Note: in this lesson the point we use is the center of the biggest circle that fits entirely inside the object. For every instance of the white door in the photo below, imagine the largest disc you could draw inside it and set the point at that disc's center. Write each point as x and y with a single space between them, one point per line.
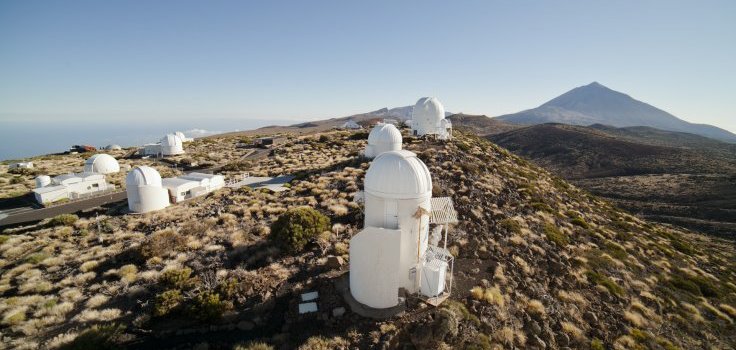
391 214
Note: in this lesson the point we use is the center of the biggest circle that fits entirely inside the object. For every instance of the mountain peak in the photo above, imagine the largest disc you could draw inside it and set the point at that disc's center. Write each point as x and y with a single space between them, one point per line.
595 103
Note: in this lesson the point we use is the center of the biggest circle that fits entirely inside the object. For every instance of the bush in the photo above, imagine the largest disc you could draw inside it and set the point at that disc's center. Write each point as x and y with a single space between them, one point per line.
510 225
177 278
208 306
162 243
578 221
555 235
97 337
604 281
63 220
293 229
166 302
253 346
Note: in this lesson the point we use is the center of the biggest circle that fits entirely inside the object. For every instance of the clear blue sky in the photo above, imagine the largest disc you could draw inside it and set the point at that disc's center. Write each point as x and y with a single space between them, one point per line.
316 59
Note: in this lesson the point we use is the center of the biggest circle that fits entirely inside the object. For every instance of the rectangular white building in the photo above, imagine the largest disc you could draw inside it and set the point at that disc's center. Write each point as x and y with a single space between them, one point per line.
192 185
72 186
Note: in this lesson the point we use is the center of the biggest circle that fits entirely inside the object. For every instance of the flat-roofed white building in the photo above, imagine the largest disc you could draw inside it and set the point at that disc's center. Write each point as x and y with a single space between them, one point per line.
70 186
21 165
192 185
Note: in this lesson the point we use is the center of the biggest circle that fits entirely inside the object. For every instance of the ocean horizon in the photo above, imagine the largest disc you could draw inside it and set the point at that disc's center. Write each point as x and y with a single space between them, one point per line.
21 139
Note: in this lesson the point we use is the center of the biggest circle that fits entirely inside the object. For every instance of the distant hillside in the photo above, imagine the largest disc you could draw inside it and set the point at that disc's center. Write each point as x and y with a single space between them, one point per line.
597 104
480 124
666 176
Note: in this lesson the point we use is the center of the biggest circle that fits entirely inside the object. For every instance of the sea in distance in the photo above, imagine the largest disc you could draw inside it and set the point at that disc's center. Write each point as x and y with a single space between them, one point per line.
20 138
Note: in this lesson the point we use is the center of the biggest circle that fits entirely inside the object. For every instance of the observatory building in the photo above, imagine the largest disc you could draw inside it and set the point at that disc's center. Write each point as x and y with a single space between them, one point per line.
428 118
192 185
69 186
170 145
351 124
145 192
102 164
183 138
383 138
394 250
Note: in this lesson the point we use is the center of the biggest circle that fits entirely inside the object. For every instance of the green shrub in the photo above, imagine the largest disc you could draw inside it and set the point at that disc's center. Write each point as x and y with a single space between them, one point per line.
207 306
510 225
63 220
578 221
253 346
555 235
683 247
162 243
597 278
540 206
616 251
177 278
597 344
36 258
4 238
97 337
294 228
166 302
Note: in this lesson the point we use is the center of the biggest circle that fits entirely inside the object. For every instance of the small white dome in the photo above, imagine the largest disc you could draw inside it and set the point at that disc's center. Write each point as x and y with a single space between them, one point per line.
143 176
113 147
43 181
102 164
398 175
384 134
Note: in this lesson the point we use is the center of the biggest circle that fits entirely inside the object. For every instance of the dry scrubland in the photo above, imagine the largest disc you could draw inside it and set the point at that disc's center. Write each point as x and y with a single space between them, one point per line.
539 264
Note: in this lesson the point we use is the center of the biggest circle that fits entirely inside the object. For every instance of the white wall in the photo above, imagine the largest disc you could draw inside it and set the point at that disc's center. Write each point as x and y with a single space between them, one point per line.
147 198
377 214
374 256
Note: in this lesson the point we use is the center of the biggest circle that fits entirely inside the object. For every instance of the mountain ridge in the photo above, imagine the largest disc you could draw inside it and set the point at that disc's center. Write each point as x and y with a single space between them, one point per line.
597 104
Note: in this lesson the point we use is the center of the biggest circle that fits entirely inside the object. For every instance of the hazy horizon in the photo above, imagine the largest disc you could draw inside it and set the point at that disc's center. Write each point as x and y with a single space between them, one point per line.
183 60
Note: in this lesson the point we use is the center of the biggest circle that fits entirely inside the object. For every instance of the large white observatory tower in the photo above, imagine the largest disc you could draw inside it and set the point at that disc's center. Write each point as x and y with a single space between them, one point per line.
393 250
428 118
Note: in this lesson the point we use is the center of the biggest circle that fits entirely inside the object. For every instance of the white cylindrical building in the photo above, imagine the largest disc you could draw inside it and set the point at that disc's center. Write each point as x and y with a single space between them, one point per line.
428 118
145 191
43 181
383 138
171 145
398 191
102 164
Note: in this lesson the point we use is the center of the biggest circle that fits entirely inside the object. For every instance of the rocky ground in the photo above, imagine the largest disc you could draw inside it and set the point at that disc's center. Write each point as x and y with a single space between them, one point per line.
540 264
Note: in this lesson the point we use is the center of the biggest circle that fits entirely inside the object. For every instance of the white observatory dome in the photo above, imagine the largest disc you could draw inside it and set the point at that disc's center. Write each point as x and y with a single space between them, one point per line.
102 164
383 138
113 147
398 175
145 193
426 116
171 145
143 176
43 181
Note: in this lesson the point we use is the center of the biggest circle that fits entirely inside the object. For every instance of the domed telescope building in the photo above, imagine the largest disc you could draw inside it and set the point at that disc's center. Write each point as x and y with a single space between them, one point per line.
145 190
394 250
102 164
383 138
428 118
